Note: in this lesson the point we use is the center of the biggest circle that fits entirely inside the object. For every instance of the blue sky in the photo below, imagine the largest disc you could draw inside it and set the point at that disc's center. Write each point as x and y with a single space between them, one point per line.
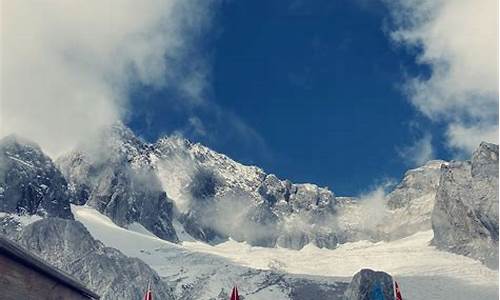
342 93
317 84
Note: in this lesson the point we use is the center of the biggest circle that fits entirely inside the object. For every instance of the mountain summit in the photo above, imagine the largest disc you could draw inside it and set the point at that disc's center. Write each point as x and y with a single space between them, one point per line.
158 200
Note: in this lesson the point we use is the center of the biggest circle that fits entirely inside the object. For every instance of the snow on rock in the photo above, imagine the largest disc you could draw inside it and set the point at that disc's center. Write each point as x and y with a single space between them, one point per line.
195 186
423 271
411 202
117 178
67 245
203 276
194 175
29 182
465 217
404 211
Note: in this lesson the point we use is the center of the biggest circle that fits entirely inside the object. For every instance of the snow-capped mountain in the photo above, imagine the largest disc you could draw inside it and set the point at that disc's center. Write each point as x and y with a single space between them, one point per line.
118 179
196 222
35 212
207 188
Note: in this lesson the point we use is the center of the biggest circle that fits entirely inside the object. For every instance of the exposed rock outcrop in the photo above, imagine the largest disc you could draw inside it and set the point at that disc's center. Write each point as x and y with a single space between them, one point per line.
117 179
69 246
29 182
465 217
125 178
411 202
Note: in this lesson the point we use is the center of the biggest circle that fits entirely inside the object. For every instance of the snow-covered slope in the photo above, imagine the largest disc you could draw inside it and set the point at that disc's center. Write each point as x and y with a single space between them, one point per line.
118 179
125 177
424 272
199 275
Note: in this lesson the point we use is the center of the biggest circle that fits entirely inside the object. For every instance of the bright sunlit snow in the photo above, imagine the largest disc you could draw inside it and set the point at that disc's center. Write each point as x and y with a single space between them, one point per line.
424 272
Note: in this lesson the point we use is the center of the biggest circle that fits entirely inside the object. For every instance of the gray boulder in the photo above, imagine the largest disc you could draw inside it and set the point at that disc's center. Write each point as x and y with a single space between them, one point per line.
69 246
465 216
370 285
29 182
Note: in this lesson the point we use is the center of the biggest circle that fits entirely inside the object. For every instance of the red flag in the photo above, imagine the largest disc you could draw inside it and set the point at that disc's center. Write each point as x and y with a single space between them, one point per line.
397 291
234 294
149 293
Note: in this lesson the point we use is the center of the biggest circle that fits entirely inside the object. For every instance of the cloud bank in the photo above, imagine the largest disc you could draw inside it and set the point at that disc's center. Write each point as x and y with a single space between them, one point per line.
458 39
67 66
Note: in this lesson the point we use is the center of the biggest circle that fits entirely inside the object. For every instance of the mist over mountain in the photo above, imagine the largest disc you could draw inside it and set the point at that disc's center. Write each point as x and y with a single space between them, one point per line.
179 192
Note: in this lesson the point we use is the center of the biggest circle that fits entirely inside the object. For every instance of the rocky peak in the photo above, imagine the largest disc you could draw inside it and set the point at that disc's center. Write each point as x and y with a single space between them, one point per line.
29 181
115 174
465 216
172 143
485 161
416 183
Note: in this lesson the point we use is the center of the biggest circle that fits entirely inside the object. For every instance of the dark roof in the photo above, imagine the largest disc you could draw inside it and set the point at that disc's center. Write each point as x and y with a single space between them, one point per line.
16 252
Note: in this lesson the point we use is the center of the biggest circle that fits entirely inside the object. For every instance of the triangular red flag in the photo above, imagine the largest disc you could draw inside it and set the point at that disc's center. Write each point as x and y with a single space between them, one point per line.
234 294
397 291
149 293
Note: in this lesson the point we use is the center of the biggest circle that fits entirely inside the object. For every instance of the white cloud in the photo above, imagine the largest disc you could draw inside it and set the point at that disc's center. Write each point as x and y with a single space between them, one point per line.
67 66
468 138
373 208
420 152
197 126
459 40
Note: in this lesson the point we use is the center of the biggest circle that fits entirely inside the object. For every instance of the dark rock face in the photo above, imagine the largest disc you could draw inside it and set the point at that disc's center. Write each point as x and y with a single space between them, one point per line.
283 213
370 285
305 289
465 216
203 185
70 247
126 179
119 181
80 174
305 213
128 196
130 181
29 182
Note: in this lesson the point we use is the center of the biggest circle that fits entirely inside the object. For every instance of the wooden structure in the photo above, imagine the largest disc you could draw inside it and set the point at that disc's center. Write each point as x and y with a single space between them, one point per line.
26 276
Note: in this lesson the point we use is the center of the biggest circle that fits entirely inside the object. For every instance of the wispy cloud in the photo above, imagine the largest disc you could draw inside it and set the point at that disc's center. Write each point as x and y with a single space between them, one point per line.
217 126
420 152
67 66
458 39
